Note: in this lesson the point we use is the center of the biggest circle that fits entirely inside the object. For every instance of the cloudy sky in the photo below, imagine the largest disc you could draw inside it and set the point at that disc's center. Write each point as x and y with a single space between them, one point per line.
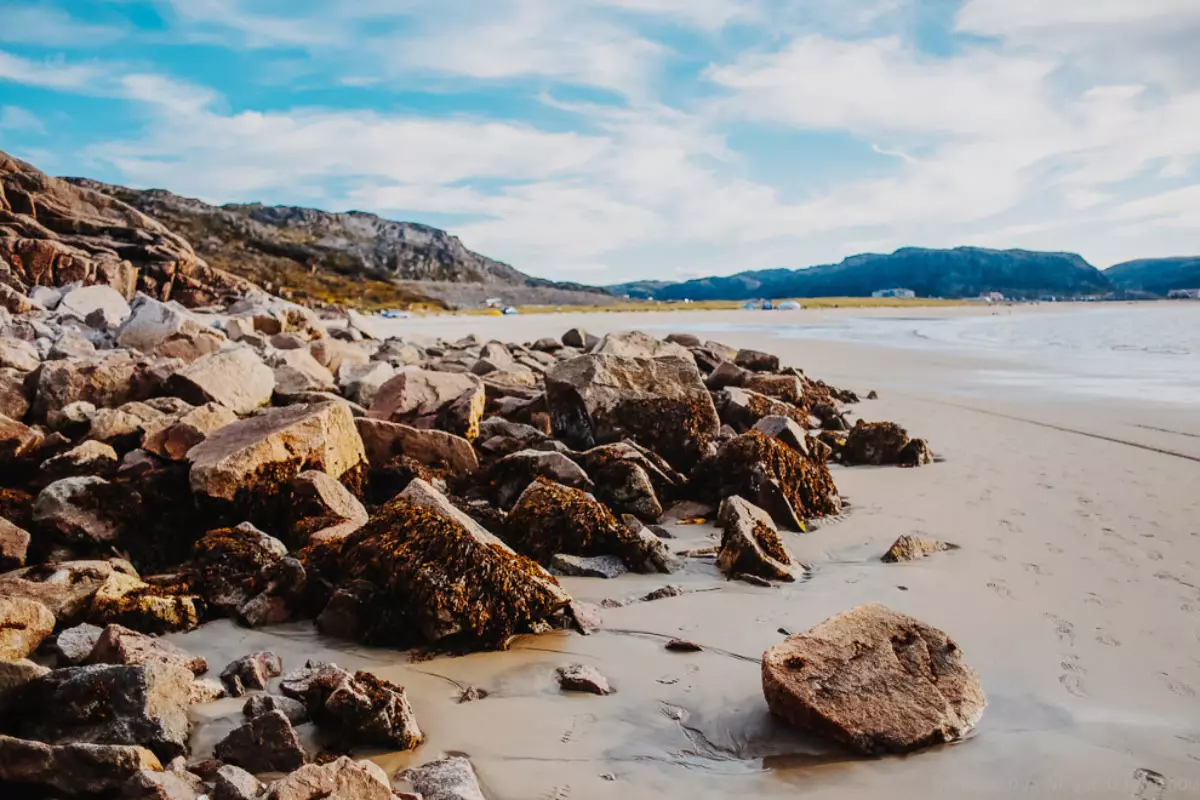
606 140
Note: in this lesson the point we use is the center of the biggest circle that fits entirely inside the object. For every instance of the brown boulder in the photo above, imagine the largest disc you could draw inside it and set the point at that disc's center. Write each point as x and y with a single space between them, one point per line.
750 544
742 409
171 437
874 680
72 769
756 360
786 430
774 477
343 779
236 378
910 547
119 645
18 354
251 672
359 708
509 476
635 344
451 778
879 443
90 458
14 545
425 398
439 450
86 508
106 381
66 588
228 562
322 507
788 388
267 743
16 439
14 396
24 624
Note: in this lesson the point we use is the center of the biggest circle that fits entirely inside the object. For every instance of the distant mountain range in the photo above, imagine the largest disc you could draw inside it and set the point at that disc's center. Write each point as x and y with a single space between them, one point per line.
320 257
959 272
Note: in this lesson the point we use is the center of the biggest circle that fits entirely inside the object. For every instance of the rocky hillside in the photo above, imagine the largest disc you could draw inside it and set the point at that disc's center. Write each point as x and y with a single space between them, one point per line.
1156 276
55 233
318 257
961 272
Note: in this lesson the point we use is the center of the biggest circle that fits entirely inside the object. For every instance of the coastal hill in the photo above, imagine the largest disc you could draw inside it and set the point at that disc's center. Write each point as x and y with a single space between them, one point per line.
1156 276
318 257
960 272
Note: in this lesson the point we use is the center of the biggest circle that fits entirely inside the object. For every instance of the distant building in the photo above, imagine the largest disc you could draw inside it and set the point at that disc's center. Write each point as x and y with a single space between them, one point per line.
494 302
901 293
992 297
1184 294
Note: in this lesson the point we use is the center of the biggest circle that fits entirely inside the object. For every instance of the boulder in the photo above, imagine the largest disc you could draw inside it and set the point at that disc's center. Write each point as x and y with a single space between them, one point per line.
14 546
106 381
168 784
228 562
786 430
283 587
247 466
774 477
123 427
509 476
235 783
875 443
143 704
661 403
14 396
104 301
750 544
756 360
259 704
451 778
361 381
915 454
582 678
635 344
24 624
334 354
550 518
17 440
152 322
14 677
85 509
189 347
875 680
424 398
251 672
143 606
171 437
321 505
236 378
741 409
911 547
267 743
73 645
119 645
788 388
72 769
578 337
18 354
629 479
71 344
342 779
360 708
92 458
573 566
66 588
384 440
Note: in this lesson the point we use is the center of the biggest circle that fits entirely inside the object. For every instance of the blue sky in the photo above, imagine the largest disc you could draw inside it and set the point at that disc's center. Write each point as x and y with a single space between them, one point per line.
608 140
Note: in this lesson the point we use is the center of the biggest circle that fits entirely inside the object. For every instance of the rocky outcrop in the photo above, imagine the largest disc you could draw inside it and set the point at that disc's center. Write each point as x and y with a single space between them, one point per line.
874 680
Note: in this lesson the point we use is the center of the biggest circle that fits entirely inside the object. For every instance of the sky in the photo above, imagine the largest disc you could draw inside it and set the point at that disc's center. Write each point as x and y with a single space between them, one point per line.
613 140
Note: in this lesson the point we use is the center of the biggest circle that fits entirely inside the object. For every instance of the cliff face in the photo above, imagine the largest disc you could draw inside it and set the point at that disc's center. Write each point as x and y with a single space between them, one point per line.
319 257
961 272
1156 275
53 232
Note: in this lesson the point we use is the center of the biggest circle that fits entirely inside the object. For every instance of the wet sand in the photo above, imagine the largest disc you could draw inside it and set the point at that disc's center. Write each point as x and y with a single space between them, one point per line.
1075 594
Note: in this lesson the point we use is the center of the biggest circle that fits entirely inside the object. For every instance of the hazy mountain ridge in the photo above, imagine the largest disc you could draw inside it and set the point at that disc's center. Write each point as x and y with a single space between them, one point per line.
1156 275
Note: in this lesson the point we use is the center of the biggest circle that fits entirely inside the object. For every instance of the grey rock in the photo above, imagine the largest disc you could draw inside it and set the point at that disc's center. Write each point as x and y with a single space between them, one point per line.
582 678
451 778
267 743
259 704
587 566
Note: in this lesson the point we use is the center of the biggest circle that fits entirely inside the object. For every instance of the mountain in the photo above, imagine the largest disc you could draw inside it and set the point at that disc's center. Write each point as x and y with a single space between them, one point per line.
53 233
1156 275
319 257
961 272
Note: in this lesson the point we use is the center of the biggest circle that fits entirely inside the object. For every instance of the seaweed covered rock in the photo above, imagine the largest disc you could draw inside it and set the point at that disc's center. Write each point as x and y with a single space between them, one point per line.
228 562
786 430
359 708
244 469
879 443
875 680
322 507
24 624
550 518
630 479
788 388
424 398
438 450
67 588
86 509
509 476
144 704
72 769
911 547
774 477
661 403
429 574
750 544
741 409
145 607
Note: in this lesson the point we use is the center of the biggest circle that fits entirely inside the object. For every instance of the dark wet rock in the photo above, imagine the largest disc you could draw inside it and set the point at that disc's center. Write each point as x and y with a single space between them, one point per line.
73 645
829 417
875 680
72 769
322 507
788 388
24 625
683 646
742 409
776 478
245 468
659 403
236 378
120 645
911 547
144 704
385 440
360 708
259 704
578 337
451 778
587 566
510 475
14 546
786 430
582 678
341 779
756 360
547 344
86 509
877 443
433 572
751 544
872 395
171 437
664 592
165 784
91 458
251 672
550 518
915 454
267 743
630 479
228 562
425 398
234 783
282 592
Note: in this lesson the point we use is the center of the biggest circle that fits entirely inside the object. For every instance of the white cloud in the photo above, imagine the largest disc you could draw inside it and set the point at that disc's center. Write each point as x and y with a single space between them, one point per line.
46 26
47 74
15 118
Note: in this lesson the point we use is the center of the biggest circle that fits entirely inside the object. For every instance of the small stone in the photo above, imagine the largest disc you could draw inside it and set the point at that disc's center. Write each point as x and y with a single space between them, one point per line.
251 672
234 783
872 395
582 678
910 547
683 646
267 743
664 592
205 690
259 704
470 694
73 645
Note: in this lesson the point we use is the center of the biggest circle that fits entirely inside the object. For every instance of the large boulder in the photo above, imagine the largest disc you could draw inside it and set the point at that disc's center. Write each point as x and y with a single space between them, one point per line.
267 743
450 778
774 477
509 476
24 624
750 544
635 344
236 378
358 707
630 479
661 403
439 450
879 443
426 399
145 704
228 563
72 769
106 381
361 382
88 459
343 779
85 509
248 466
152 322
66 588
322 507
120 645
123 427
172 436
875 680
109 306
742 409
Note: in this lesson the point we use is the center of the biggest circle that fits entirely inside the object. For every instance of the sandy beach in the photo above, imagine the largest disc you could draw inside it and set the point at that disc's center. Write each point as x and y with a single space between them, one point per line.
1075 595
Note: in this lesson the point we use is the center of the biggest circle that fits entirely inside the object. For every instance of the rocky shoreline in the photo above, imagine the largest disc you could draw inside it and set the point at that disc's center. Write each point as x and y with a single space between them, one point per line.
164 466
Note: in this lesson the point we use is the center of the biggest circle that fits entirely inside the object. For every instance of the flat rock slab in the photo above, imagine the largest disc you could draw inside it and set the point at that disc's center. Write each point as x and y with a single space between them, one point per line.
236 378
875 680
73 769
573 566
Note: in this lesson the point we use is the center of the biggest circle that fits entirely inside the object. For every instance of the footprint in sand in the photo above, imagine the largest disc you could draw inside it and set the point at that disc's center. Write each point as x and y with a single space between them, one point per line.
997 586
1036 569
998 557
1053 548
1107 639
1151 784
1064 629
558 793
1177 686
